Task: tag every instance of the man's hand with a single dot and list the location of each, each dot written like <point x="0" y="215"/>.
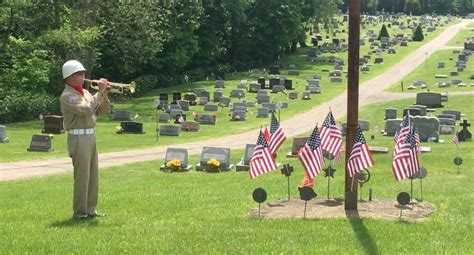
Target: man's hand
<point x="103" y="85"/>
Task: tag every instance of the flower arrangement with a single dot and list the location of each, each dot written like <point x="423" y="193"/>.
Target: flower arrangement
<point x="174" y="165"/>
<point x="213" y="166"/>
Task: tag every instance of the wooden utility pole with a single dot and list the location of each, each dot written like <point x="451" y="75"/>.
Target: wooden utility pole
<point x="352" y="94"/>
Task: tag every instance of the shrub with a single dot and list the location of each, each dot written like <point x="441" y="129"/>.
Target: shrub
<point x="418" y="35"/>
<point x="23" y="106"/>
<point x="383" y="32"/>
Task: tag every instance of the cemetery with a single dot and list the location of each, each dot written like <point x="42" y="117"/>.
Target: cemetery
<point x="177" y="163"/>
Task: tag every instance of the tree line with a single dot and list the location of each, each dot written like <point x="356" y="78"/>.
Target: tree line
<point x="156" y="43"/>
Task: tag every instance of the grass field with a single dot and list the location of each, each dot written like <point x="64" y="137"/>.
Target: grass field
<point x="154" y="212"/>
<point x="20" y="133"/>
<point x="429" y="69"/>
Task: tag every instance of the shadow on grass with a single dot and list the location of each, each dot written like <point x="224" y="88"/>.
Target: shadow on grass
<point x="362" y="233"/>
<point x="74" y="223"/>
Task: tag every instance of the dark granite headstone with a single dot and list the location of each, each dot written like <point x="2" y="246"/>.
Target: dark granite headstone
<point x="132" y="127"/>
<point x="189" y="126"/>
<point x="243" y="165"/>
<point x="220" y="154"/>
<point x="41" y="143"/>
<point x="298" y="142"/>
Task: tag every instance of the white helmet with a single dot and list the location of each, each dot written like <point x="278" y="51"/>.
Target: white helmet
<point x="71" y="67"/>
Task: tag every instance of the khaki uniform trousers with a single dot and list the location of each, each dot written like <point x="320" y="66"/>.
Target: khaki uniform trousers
<point x="83" y="151"/>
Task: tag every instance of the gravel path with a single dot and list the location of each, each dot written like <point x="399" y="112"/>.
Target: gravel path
<point x="371" y="91"/>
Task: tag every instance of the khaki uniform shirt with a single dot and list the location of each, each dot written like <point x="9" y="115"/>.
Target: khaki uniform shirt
<point x="79" y="111"/>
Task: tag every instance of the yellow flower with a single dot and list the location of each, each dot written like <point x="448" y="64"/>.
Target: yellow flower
<point x="214" y="162"/>
<point x="174" y="164"/>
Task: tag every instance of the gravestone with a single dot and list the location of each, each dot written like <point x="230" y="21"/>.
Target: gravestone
<point x="217" y="96"/>
<point x="224" y="102"/>
<point x="41" y="143"/>
<point x="270" y="106"/>
<point x="219" y="84"/>
<point x="176" y="97"/>
<point x="312" y="89"/>
<point x="191" y="97"/>
<point x="364" y="125"/>
<point x="237" y="93"/>
<point x="203" y="100"/>
<point x="244" y="164"/>
<point x="446" y="121"/>
<point x="263" y="99"/>
<point x="274" y="69"/>
<point x="261" y="81"/>
<point x="453" y="112"/>
<point x="174" y="112"/>
<point x="464" y="134"/>
<point x="239" y="106"/>
<point x="390" y="113"/>
<point x="288" y="84"/>
<point x="239" y="115"/>
<point x="254" y="87"/>
<point x="423" y="109"/>
<point x="184" y="105"/>
<point x="298" y="142"/>
<point x="306" y="96"/>
<point x="447" y="129"/>
<point x="189" y="126"/>
<point x="3" y="134"/>
<point x="132" y="127"/>
<point x="177" y="154"/>
<point x="122" y="115"/>
<point x="427" y="127"/>
<point x="447" y="116"/>
<point x="441" y="65"/>
<point x="169" y="130"/>
<point x="391" y="126"/>
<point x="378" y="60"/>
<point x="53" y="124"/>
<point x="211" y="108"/>
<point x="205" y="118"/>
<point x="336" y="79"/>
<point x="220" y="154"/>
<point x="429" y="99"/>
<point x="411" y="111"/>
<point x="262" y="112"/>
<point x="278" y="89"/>
<point x="198" y="92"/>
<point x="163" y="117"/>
<point x="293" y="95"/>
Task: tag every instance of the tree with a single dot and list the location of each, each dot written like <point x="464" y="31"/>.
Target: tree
<point x="412" y="7"/>
<point x="383" y="32"/>
<point x="418" y="35"/>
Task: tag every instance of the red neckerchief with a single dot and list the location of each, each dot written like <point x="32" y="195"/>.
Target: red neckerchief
<point x="77" y="88"/>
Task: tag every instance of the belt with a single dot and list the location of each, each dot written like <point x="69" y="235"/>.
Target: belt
<point x="82" y="131"/>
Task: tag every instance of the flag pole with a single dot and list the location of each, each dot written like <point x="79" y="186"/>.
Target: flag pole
<point x="329" y="170"/>
<point x="352" y="93"/>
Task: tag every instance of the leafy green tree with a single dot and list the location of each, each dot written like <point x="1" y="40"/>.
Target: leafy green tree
<point x="412" y="7"/>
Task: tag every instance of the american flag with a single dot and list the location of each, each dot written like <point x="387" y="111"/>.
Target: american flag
<point x="406" y="162"/>
<point x="456" y="140"/>
<point x="360" y="157"/>
<point x="262" y="160"/>
<point x="403" y="129"/>
<point x="331" y="137"/>
<point x="401" y="133"/>
<point x="311" y="155"/>
<point x="277" y="136"/>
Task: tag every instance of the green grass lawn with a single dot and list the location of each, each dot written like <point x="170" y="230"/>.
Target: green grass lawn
<point x="459" y="39"/>
<point x="149" y="211"/>
<point x="429" y="69"/>
<point x="20" y="133"/>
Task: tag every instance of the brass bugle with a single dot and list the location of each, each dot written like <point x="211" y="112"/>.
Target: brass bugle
<point x="119" y="88"/>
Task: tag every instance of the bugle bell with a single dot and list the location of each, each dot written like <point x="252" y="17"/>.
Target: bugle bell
<point x="118" y="88"/>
